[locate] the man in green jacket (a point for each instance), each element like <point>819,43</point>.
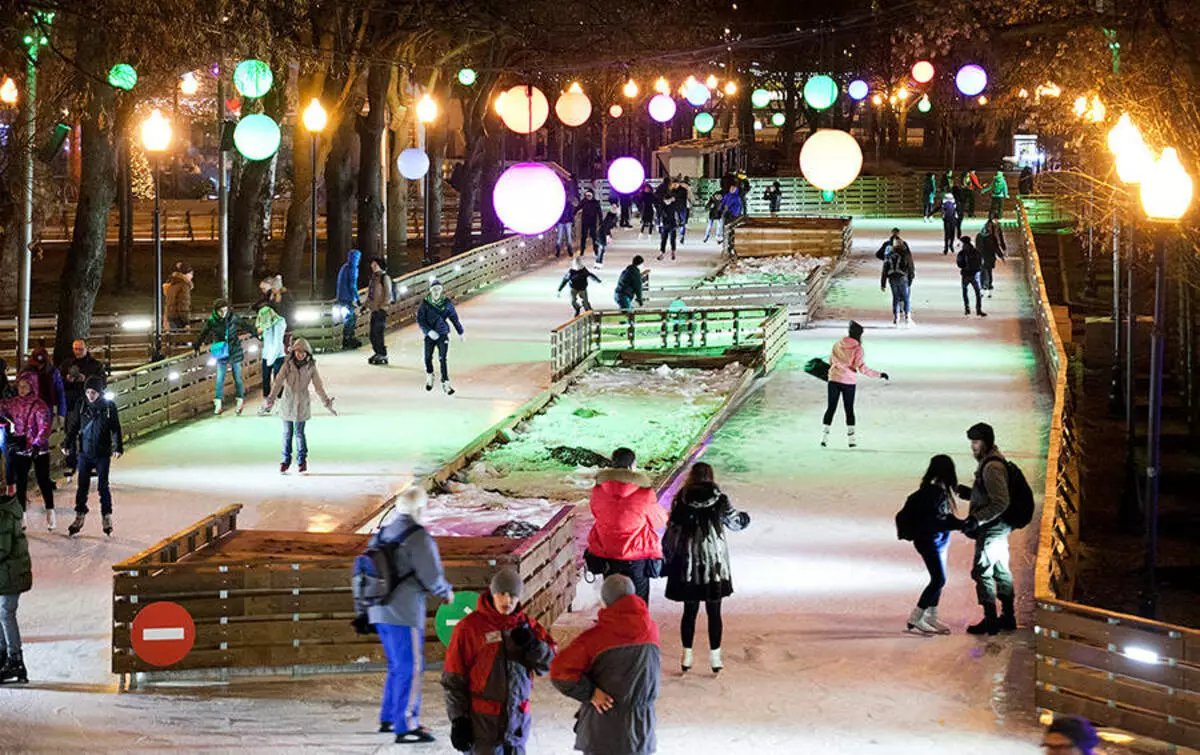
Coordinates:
<point>16,577</point>
<point>999,193</point>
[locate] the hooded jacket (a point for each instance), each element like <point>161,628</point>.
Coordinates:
<point>969,260</point>
<point>177,297</point>
<point>627,516</point>
<point>731,205</point>
<point>16,568</point>
<point>292,384</point>
<point>437,316</point>
<point>75,373</point>
<point>589,212</point>
<point>846,361</point>
<point>405,607</point>
<point>271,329</point>
<point>899,263</point>
<point>225,329</point>
<point>49,382</point>
<point>94,429</point>
<point>488,676</point>
<point>30,417</point>
<point>629,283</point>
<point>991,245</point>
<point>1000,186</point>
<point>949,210</point>
<point>347,279</point>
<point>695,554</point>
<point>578,278</point>
<point>927,513</point>
<point>621,656</point>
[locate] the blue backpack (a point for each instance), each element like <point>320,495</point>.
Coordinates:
<point>375,575</point>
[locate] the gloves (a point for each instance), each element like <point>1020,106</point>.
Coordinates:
<point>743,519</point>
<point>523,636</point>
<point>970,527</point>
<point>964,492</point>
<point>432,335</point>
<point>462,738</point>
<point>462,337</point>
<point>884,375</point>
<point>362,625</point>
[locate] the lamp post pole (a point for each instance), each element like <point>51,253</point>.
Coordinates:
<point>312,292</point>
<point>26,265</point>
<point>158,259</point>
<point>1153,439</point>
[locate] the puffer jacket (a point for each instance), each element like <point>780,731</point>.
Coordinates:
<point>418,553</point>
<point>16,568</point>
<point>94,429</point>
<point>177,297</point>
<point>292,384</point>
<point>695,554</point>
<point>846,361</point>
<point>30,417</point>
<point>379,292</point>
<point>627,516</point>
<point>347,279</point>
<point>488,677</point>
<point>621,656</point>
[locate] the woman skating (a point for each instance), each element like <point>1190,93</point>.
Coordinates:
<point>223,328</point>
<point>298,373</point>
<point>28,444</point>
<point>16,577</point>
<point>696,557</point>
<point>928,518</point>
<point>845,362</point>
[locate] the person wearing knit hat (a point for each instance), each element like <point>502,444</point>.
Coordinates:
<point>299,372</point>
<point>1070,735</point>
<point>28,444</point>
<point>507,582</point>
<point>93,436</point>
<point>985,524</point>
<point>845,362</point>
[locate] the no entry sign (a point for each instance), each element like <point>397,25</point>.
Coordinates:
<point>449,614</point>
<point>163,633</point>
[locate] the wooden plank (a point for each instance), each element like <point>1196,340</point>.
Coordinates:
<point>1101,659</point>
<point>1134,721</point>
<point>1120,690</point>
<point>1101,632</point>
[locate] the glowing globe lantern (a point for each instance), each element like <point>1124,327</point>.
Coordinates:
<point>529,198</point>
<point>662,86</point>
<point>412,163</point>
<point>1167,189</point>
<point>616,111</point>
<point>827,195</point>
<point>630,89</point>
<point>662,108</point>
<point>122,76</point>
<point>820,92</point>
<point>703,123</point>
<point>922,72</point>
<point>760,98</point>
<point>971,80</point>
<point>696,93</point>
<point>256,137</point>
<point>711,81</point>
<point>524,109</point>
<point>830,159</point>
<point>626,175</point>
<point>858,90</point>
<point>253,78</point>
<point>730,88</point>
<point>573,108</point>
<point>924,105</point>
<point>466,76</point>
<point>778,119</point>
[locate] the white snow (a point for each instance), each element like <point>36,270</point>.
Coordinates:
<point>783,269</point>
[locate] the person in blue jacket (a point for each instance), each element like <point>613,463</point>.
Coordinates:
<point>730,209</point>
<point>347,296</point>
<point>434,317</point>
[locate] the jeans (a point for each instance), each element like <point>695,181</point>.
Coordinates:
<point>846,393</point>
<point>927,206</point>
<point>687,625</point>
<point>638,571</point>
<point>349,324</point>
<point>442,344</point>
<point>708,227</point>
<point>949,226</point>
<point>405,649</point>
<point>10,633</point>
<point>270,370</point>
<point>985,278</point>
<point>563,239</point>
<point>600,252</point>
<point>586,232</point>
<point>19,465</point>
<point>971,280</point>
<point>579,301</point>
<point>720,230</point>
<point>997,208</point>
<point>933,553</point>
<point>296,429</point>
<point>378,326</point>
<point>900,299</point>
<point>87,465</point>
<point>222,366</point>
<point>683,220</point>
<point>624,303</point>
<point>664,234</point>
<point>626,206</point>
<point>993,579</point>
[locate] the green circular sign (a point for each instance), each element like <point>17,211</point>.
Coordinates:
<point>466,76</point>
<point>449,614</point>
<point>256,137</point>
<point>760,98</point>
<point>820,92</point>
<point>778,119</point>
<point>704,123</point>
<point>122,76</point>
<point>253,78</point>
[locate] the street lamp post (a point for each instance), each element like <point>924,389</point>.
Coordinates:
<point>314,121</point>
<point>156,136</point>
<point>427,112</point>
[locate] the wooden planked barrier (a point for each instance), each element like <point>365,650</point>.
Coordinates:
<point>281,601</point>
<point>810,236</point>
<point>1118,670</point>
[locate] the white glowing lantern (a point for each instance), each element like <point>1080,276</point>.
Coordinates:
<point>662,108</point>
<point>412,163</point>
<point>831,159</point>
<point>529,198</point>
<point>696,93</point>
<point>573,108</point>
<point>626,175</point>
<point>616,111</point>
<point>524,109</point>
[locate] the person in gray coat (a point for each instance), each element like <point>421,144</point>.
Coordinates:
<point>985,525</point>
<point>400,619</point>
<point>298,373</point>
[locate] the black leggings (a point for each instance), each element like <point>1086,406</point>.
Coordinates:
<point>846,392</point>
<point>18,475</point>
<point>687,626</point>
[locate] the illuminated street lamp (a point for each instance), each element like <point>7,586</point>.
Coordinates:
<point>427,110</point>
<point>8,92</point>
<point>315,120</point>
<point>156,137</point>
<point>631,89</point>
<point>662,86</point>
<point>730,88</point>
<point>189,84</point>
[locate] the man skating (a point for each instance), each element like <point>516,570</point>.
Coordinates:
<point>990,242</point>
<point>606,231</point>
<point>578,277</point>
<point>898,273</point>
<point>434,318</point>
<point>94,436</point>
<point>379,296</point>
<point>589,222</point>
<point>998,189</point>
<point>970,264</point>
<point>629,286</point>
<point>985,524</point>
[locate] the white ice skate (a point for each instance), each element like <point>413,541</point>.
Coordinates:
<point>449,389</point>
<point>685,664</point>
<point>106,524</point>
<point>714,657</point>
<point>931,619</point>
<point>917,624</point>
<point>51,520</point>
<point>850,439</point>
<point>217,406</point>
<point>825,436</point>
<point>429,381</point>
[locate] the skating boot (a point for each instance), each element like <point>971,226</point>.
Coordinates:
<point>76,526</point>
<point>51,520</point>
<point>217,406</point>
<point>449,389</point>
<point>917,624</point>
<point>429,382</point>
<point>981,313</point>
<point>13,671</point>
<point>825,436</point>
<point>850,439</point>
<point>385,727</point>
<point>908,321</point>
<point>106,524</point>
<point>685,665</point>
<point>303,467</point>
<point>284,466</point>
<point>990,625</point>
<point>714,657</point>
<point>931,618</point>
<point>241,404</point>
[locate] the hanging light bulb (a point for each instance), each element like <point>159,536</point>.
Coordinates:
<point>711,82</point>
<point>427,110</point>
<point>662,86</point>
<point>189,84</point>
<point>730,88</point>
<point>575,87</point>
<point>631,89</point>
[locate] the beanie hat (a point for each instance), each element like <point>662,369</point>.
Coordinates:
<point>615,587</point>
<point>1077,729</point>
<point>94,383</point>
<point>856,330</point>
<point>982,431</point>
<point>412,502</point>
<point>219,303</point>
<point>507,582</point>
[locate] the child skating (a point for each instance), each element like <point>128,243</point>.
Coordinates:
<point>434,318</point>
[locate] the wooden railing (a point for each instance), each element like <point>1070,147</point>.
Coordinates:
<point>1118,670</point>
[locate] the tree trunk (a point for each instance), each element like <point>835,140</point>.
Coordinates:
<point>435,139</point>
<point>339,200</point>
<point>245,228</point>
<point>397,188</point>
<point>787,135</point>
<point>83,270</point>
<point>296,238</point>
<point>493,166</point>
<point>475,134</point>
<point>370,165</point>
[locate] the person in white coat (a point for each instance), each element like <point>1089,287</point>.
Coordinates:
<point>292,383</point>
<point>271,328</point>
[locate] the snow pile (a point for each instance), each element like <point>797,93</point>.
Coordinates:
<point>470,511</point>
<point>758,270</point>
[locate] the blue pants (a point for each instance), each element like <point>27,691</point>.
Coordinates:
<point>222,365</point>
<point>294,429</point>
<point>900,301</point>
<point>405,648</point>
<point>683,220</point>
<point>87,466</point>
<point>349,325</point>
<point>933,553</point>
<point>10,633</point>
<point>563,238</point>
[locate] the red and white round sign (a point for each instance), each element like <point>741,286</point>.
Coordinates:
<point>163,633</point>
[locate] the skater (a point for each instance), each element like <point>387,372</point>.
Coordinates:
<point>949,210</point>
<point>434,317</point>
<point>970,264</point>
<point>927,519</point>
<point>928,196</point>
<point>613,669</point>
<point>1070,735</point>
<point>898,273</point>
<point>629,286</point>
<point>696,557</point>
<point>683,206</point>
<point>578,276</point>
<point>271,328</point>
<point>731,210</point>
<point>845,362</point>
<point>966,202</point>
<point>399,619</point>
<point>998,190</point>
<point>985,525</point>
<point>713,206</point>
<point>668,218</point>
<point>626,209</point>
<point>49,381</point>
<point>75,372</point>
<point>347,297</point>
<point>628,517</point>
<point>774,196</point>
<point>496,641</point>
<point>224,327</point>
<point>177,298</point>
<point>990,243</point>
<point>645,200</point>
<point>94,436</point>
<point>564,229</point>
<point>1025,181</point>
<point>27,444</point>
<point>298,373</point>
<point>589,222</point>
<point>282,300</point>
<point>606,231</point>
<point>886,247</point>
<point>16,577</point>
<point>379,296</point>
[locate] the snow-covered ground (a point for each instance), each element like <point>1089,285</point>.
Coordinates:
<point>784,269</point>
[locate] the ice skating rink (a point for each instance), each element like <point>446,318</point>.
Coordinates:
<point>816,659</point>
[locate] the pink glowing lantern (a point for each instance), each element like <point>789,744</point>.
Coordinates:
<point>529,198</point>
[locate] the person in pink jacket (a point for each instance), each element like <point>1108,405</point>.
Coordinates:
<point>28,443</point>
<point>845,363</point>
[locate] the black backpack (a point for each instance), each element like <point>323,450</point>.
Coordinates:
<point>905,526</point>
<point>1020,498</point>
<point>375,576</point>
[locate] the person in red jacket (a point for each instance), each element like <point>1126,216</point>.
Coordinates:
<point>627,517</point>
<point>613,670</point>
<point>488,677</point>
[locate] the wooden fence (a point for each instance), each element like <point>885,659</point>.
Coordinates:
<point>810,236</point>
<point>120,342</point>
<point>1118,670</point>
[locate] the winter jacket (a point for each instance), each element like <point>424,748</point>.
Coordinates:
<point>177,297</point>
<point>969,260</point>
<point>695,555</point>
<point>668,213</point>
<point>488,676</point>
<point>281,300</point>
<point>949,210</point>
<point>619,655</point>
<point>271,328</point>
<point>227,328</point>
<point>405,607</point>
<point>578,279</point>
<point>437,316</point>
<point>16,568</point>
<point>629,284</point>
<point>846,361</point>
<point>1000,186</point>
<point>74,374</point>
<point>927,513</point>
<point>930,186</point>
<point>30,418</point>
<point>731,205</point>
<point>646,204</point>
<point>347,279</point>
<point>991,245</point>
<point>379,292</point>
<point>94,429</point>
<point>898,264</point>
<point>292,384</point>
<point>607,225</point>
<point>713,205</point>
<point>774,197</point>
<point>627,516</point>
<point>568,213</point>
<point>49,381</point>
<point>989,494</point>
<point>589,213</point>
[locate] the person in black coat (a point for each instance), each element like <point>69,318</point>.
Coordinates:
<point>606,230</point>
<point>970,265</point>
<point>696,557</point>
<point>927,519</point>
<point>645,203</point>
<point>589,222</point>
<point>93,437</point>
<point>990,242</point>
<point>668,227</point>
